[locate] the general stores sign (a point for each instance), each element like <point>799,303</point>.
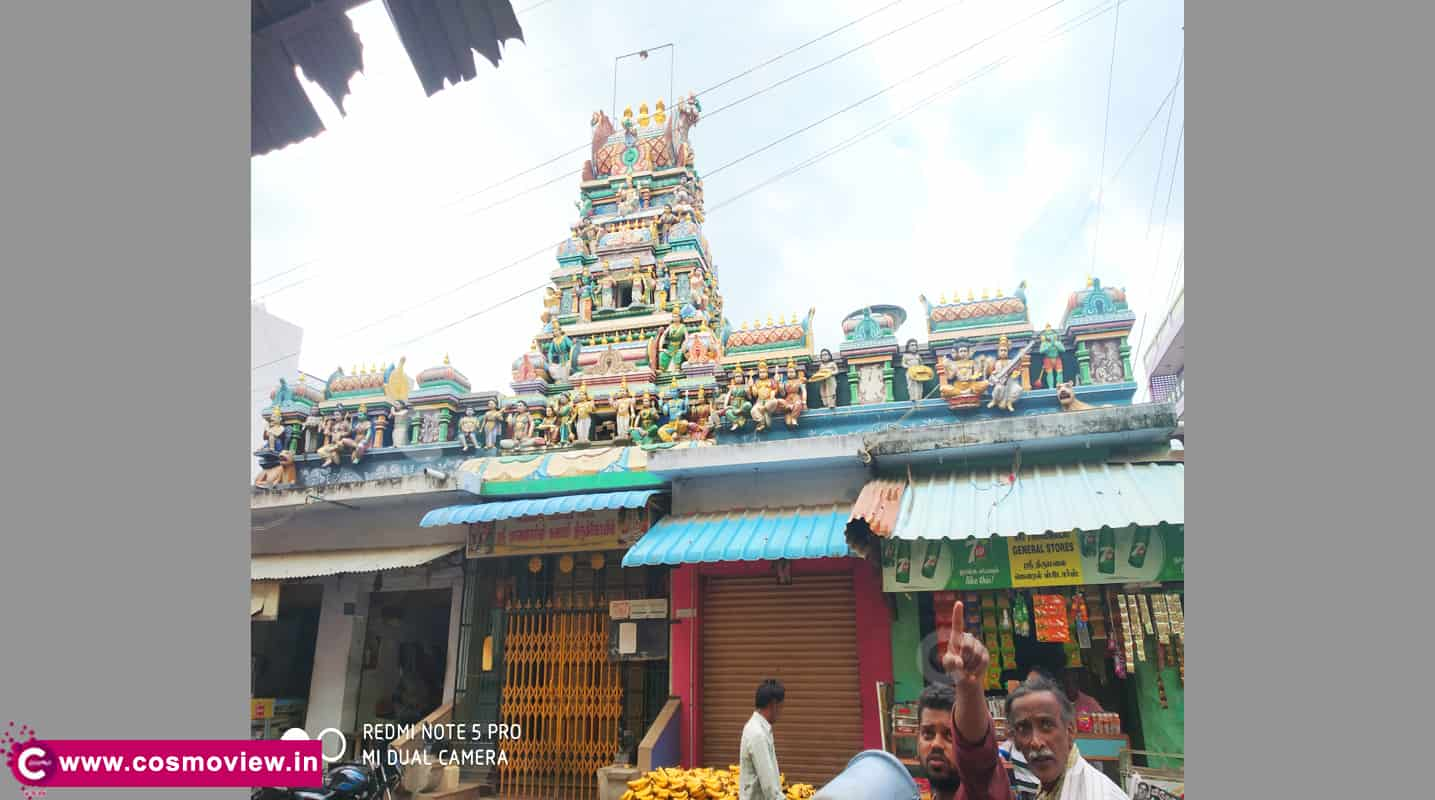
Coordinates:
<point>561,533</point>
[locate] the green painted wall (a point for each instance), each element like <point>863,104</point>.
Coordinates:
<point>906,643</point>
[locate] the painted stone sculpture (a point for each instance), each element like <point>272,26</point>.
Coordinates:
<point>671,342</point>
<point>492,425</point>
<point>915,370</point>
<point>826,379</point>
<point>623,406</point>
<point>1006,383</point>
<point>962,380</point>
<point>468,426</point>
<point>583,408</point>
<point>313,430</point>
<point>1051,348</point>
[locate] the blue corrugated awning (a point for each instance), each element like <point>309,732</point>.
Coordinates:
<point>1044,499</point>
<point>749,535</point>
<point>541,507</point>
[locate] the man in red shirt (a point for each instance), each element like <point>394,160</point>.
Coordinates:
<point>978,764</point>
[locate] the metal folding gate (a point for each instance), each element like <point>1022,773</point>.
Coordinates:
<point>560,687</point>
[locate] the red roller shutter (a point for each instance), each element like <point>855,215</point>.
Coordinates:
<point>804,635</point>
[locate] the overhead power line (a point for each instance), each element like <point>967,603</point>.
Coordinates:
<point>587,145</point>
<point>865,134</point>
<point>449,291</point>
<point>1105,131</point>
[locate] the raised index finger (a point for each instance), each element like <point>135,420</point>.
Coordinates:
<point>959,621</point>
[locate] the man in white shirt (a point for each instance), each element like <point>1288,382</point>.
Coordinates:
<point>757,764</point>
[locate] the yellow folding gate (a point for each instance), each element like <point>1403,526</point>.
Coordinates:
<point>560,687</point>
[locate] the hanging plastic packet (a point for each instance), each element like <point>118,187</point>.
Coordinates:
<point>1019,616</point>
<point>1050,614</point>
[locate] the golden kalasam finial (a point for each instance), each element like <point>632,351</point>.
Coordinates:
<point>1089,282</point>
<point>970,296</point>
<point>744,324</point>
<point>301,377</point>
<point>445,359</point>
<point>769,320</point>
<point>643,115</point>
<point>943,299</point>
<point>628,112</point>
<point>986,294</point>
<point>660,114</point>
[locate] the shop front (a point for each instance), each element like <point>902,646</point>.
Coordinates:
<point>361,636</point>
<point>284,623</point>
<point>1076,570</point>
<point>539,647</point>
<point>773,593</point>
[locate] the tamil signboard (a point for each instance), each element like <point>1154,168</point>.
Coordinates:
<point>559,533</point>
<point>1074,558</point>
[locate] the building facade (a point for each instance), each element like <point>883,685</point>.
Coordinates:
<point>666,506</point>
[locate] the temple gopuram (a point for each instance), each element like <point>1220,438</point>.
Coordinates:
<point>666,505</point>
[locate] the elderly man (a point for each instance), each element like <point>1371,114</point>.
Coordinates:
<point>1042,720</point>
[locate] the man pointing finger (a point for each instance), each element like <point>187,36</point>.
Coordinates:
<point>977,761</point>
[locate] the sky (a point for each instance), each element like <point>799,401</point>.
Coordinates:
<point>987,185</point>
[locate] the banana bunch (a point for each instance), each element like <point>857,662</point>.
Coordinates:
<point>704,783</point>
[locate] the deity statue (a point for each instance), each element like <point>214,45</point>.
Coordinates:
<point>646,429</point>
<point>585,296</point>
<point>585,207</point>
<point>313,430</point>
<point>468,426</point>
<point>401,425</point>
<point>548,428</point>
<point>492,425</point>
<point>591,234</point>
<point>623,405</point>
<point>564,412</point>
<point>697,287</point>
<point>628,198</point>
<point>794,393</point>
<point>701,415</point>
<point>347,434</point>
<point>765,398</point>
<point>826,379</point>
<point>363,436</point>
<point>276,433</point>
<point>396,383</point>
<point>962,378</point>
<point>520,424</point>
<point>671,341</point>
<point>1006,384</point>
<point>560,354</point>
<point>666,221</point>
<point>642,286</point>
<point>552,302</point>
<point>1051,348</point>
<point>283,395</point>
<point>583,408</point>
<point>528,365</point>
<point>674,406</point>
<point>736,403</point>
<point>911,360</point>
<point>336,431</point>
<point>661,285</point>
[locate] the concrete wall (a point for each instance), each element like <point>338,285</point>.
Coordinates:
<point>735,492</point>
